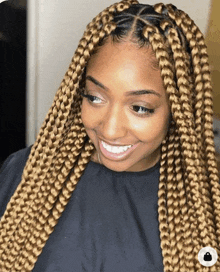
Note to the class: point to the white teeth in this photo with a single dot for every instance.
(115, 149)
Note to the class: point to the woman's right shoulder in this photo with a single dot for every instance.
(10, 175)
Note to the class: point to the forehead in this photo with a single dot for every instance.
(124, 54)
(124, 66)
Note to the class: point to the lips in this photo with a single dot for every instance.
(112, 144)
(110, 155)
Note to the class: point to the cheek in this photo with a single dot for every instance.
(153, 130)
(90, 118)
(86, 115)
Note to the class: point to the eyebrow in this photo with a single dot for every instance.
(129, 93)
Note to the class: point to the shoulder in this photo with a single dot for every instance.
(16, 159)
(10, 175)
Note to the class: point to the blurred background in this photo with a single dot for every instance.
(37, 42)
(13, 89)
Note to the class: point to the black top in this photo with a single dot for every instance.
(110, 223)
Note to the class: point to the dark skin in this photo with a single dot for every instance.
(120, 119)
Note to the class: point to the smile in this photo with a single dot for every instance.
(115, 149)
(115, 152)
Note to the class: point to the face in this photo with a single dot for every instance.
(126, 107)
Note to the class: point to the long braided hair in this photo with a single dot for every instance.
(188, 194)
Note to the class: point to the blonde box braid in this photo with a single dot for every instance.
(208, 119)
(5, 265)
(183, 86)
(167, 227)
(172, 198)
(183, 132)
(52, 197)
(208, 143)
(52, 115)
(200, 61)
(216, 184)
(203, 100)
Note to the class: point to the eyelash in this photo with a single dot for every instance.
(148, 111)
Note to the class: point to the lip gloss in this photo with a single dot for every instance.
(115, 156)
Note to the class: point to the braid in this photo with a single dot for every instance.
(35, 157)
(170, 86)
(157, 42)
(48, 196)
(208, 121)
(21, 227)
(190, 152)
(173, 204)
(204, 101)
(182, 220)
(57, 203)
(188, 193)
(38, 175)
(162, 209)
(198, 109)
(191, 149)
(186, 25)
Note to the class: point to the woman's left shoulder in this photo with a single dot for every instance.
(17, 158)
(10, 175)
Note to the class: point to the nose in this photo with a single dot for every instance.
(113, 124)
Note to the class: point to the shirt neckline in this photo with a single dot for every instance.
(125, 173)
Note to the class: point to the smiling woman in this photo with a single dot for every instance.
(128, 145)
(119, 117)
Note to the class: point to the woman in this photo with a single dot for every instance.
(128, 144)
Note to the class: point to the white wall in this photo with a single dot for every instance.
(54, 30)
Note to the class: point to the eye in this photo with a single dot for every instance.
(145, 111)
(140, 110)
(91, 98)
